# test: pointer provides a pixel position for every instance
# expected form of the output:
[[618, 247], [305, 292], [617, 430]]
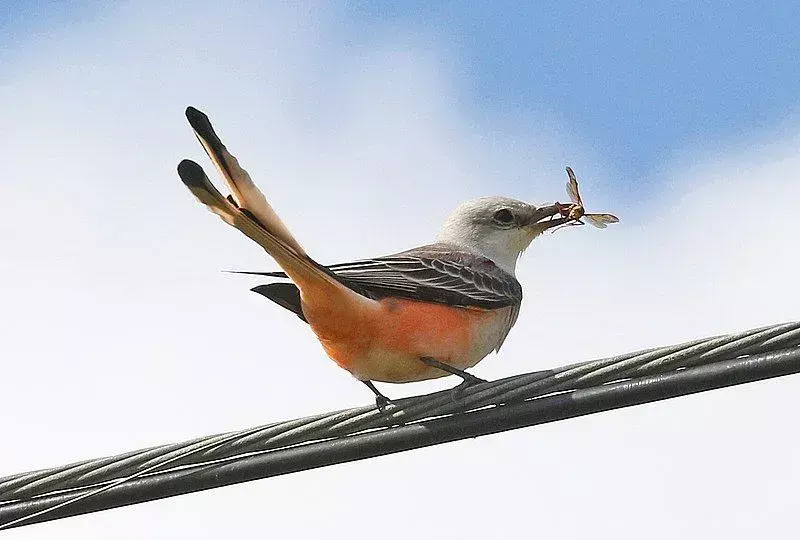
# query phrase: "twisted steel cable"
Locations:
[[345, 435]]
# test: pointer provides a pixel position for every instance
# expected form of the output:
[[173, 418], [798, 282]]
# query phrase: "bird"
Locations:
[[424, 313]]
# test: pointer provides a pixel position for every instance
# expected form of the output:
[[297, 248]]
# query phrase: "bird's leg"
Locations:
[[468, 378], [380, 400]]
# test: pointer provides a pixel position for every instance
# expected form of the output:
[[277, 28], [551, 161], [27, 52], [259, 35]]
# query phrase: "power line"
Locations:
[[360, 433]]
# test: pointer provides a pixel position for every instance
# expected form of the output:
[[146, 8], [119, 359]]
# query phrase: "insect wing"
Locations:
[[572, 187], [601, 221]]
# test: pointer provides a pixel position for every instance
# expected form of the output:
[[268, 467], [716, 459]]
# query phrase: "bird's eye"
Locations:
[[504, 216]]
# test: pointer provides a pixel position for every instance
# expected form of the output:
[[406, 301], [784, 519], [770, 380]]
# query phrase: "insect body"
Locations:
[[576, 211]]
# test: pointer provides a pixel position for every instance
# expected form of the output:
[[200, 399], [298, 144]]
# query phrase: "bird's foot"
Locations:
[[381, 401], [469, 379], [457, 392]]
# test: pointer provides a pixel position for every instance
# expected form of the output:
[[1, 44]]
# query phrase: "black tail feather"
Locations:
[[286, 295]]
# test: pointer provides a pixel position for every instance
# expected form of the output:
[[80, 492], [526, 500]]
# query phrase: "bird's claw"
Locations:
[[382, 402], [468, 381]]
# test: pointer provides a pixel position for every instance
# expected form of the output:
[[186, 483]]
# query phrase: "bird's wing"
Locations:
[[436, 273]]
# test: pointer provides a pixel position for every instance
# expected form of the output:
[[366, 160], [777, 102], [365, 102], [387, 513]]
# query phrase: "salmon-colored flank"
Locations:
[[384, 340]]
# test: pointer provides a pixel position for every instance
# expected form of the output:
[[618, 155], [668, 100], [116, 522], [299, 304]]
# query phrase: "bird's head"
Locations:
[[498, 228]]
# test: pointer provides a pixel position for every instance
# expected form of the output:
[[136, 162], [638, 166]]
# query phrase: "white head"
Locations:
[[498, 228]]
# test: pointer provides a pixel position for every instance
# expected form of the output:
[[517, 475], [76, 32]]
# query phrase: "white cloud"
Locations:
[[120, 332]]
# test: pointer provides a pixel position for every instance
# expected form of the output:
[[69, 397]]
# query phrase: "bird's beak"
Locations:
[[543, 218], [543, 212]]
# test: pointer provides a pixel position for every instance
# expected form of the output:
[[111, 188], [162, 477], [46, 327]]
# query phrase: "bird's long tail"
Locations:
[[247, 209]]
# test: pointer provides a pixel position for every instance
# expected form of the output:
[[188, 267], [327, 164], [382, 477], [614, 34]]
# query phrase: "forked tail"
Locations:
[[246, 208]]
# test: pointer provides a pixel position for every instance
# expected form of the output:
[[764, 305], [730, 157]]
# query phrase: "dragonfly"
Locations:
[[576, 211]]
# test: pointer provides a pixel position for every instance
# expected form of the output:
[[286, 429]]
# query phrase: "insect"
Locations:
[[576, 211]]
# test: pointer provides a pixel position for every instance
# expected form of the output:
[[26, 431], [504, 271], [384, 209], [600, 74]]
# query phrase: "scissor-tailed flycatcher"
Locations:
[[420, 314]]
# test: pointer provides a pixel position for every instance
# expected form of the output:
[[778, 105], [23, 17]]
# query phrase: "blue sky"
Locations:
[[643, 82], [638, 79]]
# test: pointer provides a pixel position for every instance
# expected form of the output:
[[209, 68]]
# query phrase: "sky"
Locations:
[[365, 124]]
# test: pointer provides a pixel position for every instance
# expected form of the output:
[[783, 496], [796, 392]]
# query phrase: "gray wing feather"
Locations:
[[436, 273]]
